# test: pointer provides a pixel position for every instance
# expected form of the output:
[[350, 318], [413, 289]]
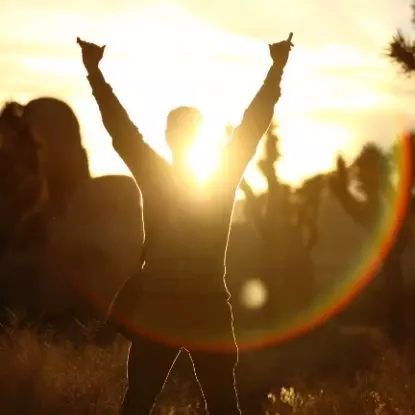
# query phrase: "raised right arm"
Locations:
[[127, 140], [353, 207], [339, 185]]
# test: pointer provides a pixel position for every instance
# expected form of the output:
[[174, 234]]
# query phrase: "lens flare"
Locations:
[[355, 279], [346, 286], [254, 294]]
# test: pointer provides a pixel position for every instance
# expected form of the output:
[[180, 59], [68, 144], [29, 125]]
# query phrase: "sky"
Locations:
[[338, 89]]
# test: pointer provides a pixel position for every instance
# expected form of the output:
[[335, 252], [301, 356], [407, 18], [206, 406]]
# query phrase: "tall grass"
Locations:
[[41, 376]]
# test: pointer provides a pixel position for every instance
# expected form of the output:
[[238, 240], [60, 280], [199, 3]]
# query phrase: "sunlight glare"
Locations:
[[309, 147], [204, 155]]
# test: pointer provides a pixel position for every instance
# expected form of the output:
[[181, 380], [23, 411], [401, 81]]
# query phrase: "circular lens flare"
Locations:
[[345, 287], [254, 294]]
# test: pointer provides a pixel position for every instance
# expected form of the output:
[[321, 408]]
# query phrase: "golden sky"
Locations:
[[338, 90]]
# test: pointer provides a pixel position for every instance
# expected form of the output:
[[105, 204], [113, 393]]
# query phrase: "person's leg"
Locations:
[[252, 383], [121, 313], [215, 370], [215, 373], [149, 361], [149, 364]]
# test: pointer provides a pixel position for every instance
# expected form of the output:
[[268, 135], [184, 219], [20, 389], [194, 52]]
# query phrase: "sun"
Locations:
[[203, 161], [205, 154]]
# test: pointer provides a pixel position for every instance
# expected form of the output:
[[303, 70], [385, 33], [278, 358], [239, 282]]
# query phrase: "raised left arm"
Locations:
[[258, 115]]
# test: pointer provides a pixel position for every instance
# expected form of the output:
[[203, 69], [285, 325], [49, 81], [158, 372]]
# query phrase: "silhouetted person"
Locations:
[[82, 258], [23, 190], [42, 154], [23, 197], [180, 299], [373, 180], [63, 168], [58, 225], [308, 209]]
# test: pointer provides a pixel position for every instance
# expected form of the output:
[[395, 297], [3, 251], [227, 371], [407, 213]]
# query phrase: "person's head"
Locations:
[[10, 116], [183, 125], [55, 126], [371, 171], [22, 184], [17, 145]]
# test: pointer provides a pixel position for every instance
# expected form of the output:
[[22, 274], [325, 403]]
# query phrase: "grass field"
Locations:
[[352, 371]]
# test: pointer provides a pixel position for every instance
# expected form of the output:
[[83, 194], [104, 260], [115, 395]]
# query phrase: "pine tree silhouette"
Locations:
[[402, 49]]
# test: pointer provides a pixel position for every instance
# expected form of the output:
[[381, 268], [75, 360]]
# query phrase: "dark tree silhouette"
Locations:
[[402, 50], [287, 230], [309, 198], [371, 172]]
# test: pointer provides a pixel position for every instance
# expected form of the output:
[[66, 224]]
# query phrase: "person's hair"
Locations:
[[10, 114], [16, 139], [59, 127], [57, 116]]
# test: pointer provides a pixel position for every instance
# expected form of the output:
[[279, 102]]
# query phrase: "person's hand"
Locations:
[[91, 54], [280, 51]]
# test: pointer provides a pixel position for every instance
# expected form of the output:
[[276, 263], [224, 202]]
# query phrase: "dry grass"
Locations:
[[386, 388], [42, 377]]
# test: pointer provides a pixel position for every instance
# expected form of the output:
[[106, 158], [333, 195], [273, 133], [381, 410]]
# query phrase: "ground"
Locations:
[[337, 370]]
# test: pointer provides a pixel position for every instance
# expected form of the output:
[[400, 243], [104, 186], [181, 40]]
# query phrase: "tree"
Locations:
[[402, 50], [371, 171], [309, 198], [287, 231]]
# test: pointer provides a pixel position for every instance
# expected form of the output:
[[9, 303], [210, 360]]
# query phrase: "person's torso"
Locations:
[[186, 235]]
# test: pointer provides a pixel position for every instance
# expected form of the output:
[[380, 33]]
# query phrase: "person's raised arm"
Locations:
[[126, 138], [258, 115], [339, 184]]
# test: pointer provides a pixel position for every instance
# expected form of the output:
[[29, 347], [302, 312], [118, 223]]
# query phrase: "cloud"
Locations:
[[213, 54], [313, 22]]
